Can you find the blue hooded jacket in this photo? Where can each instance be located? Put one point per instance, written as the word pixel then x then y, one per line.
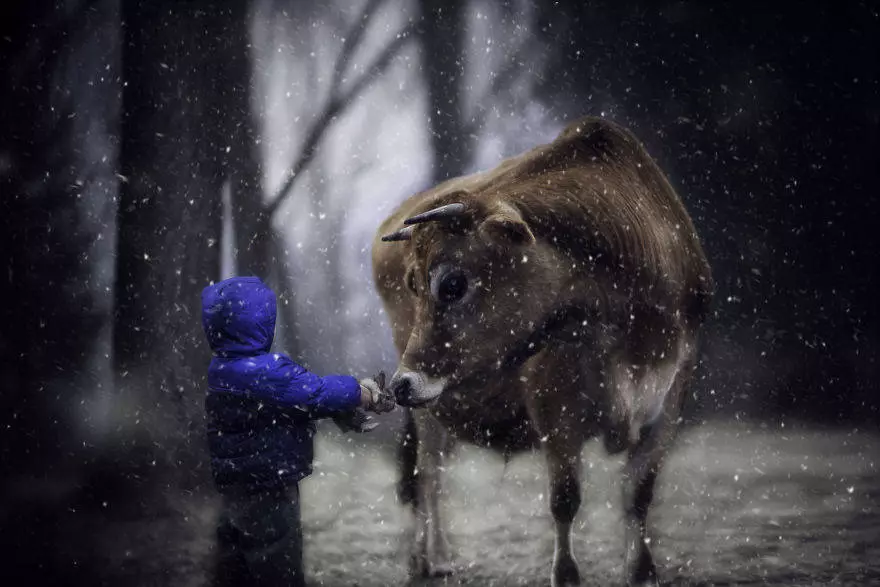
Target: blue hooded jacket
pixel 260 405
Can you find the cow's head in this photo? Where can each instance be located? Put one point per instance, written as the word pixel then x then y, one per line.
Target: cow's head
pixel 480 284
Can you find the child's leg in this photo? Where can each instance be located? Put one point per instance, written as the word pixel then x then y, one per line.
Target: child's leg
pixel 228 567
pixel 294 546
pixel 271 536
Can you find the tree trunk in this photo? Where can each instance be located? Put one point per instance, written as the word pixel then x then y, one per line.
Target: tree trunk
pixel 442 35
pixel 57 180
pixel 251 219
pixel 174 141
pixel 48 180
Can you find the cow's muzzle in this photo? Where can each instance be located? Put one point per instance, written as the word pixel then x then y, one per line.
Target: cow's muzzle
pixel 413 389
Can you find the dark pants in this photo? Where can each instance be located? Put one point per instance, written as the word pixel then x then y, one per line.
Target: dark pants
pixel 260 540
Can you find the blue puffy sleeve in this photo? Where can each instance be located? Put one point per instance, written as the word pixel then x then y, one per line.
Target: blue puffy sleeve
pixel 322 396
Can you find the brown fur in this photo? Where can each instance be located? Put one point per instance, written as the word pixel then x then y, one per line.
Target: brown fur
pixel 584 256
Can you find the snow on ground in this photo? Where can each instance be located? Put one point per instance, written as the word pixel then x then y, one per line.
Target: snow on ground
pixel 737 505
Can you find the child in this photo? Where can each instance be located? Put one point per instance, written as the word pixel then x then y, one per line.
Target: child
pixel 261 409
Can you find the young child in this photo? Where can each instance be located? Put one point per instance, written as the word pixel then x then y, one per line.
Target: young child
pixel 261 408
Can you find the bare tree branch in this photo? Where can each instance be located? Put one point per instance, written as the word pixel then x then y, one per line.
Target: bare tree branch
pixel 529 54
pixel 334 106
pixel 350 43
pixel 503 81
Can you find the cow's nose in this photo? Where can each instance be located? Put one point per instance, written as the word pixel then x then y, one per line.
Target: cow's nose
pixel 403 386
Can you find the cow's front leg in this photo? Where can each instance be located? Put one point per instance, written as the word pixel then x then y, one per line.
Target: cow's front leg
pixel 564 467
pixel 638 492
pixel 559 421
pixel 430 557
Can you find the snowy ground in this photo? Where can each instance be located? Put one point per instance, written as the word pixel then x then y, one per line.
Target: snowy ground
pixel 737 504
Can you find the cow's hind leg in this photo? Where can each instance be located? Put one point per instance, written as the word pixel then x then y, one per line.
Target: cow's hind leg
pixel 430 556
pixel 639 477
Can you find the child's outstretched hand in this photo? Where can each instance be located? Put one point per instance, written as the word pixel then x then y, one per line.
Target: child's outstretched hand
pixel 356 420
pixel 373 396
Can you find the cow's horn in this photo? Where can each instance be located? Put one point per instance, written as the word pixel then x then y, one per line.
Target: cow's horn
pixel 404 234
pixel 447 211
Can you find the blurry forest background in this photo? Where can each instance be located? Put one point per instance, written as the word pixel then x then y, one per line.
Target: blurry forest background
pixel 148 148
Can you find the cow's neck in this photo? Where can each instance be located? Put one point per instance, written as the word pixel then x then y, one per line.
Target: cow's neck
pixel 567 323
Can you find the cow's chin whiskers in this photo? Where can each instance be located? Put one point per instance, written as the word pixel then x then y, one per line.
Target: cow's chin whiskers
pixel 421 404
pixel 430 391
pixel 426 391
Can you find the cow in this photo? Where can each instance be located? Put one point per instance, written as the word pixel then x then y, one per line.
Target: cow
pixel 551 300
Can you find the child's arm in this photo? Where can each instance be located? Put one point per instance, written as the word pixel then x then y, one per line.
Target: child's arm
pixel 322 396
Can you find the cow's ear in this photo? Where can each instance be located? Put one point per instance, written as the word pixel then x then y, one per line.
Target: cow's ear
pixel 505 226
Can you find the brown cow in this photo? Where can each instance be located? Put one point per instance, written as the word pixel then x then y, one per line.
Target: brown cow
pixel 564 290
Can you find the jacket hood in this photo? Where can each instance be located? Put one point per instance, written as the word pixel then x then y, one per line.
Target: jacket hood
pixel 238 315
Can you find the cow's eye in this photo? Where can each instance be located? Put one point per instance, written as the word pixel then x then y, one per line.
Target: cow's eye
pixel 449 286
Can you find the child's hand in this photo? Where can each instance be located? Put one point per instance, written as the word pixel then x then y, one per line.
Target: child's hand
pixel 373 396
pixel 356 420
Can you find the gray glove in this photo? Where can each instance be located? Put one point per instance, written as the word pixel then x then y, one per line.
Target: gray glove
pixel 356 420
pixel 373 396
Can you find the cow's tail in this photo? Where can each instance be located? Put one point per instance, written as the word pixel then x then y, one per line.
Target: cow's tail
pixel 407 455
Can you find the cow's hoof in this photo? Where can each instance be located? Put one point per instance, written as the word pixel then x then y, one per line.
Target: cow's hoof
pixel 646 578
pixel 443 569
pixel 565 572
pixel 421 566
pixel 643 573
pixel 645 582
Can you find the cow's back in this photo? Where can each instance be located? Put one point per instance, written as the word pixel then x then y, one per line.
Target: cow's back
pixel 595 192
